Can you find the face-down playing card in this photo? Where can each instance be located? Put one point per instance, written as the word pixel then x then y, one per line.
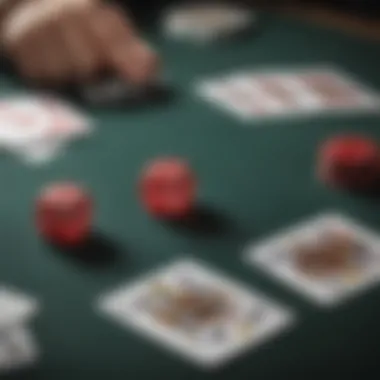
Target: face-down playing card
pixel 327 258
pixel 196 312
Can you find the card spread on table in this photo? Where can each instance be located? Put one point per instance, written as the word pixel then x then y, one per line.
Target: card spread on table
pixel 197 312
pixel 327 258
pixel 277 93
pixel 36 128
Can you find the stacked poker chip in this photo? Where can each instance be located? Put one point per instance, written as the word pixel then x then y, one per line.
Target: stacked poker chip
pixel 350 162
pixel 206 22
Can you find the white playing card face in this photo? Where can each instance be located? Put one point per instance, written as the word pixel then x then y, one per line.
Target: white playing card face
pixel 197 312
pixel 18 349
pixel 69 122
pixel 283 93
pixel 34 127
pixel 21 120
pixel 347 270
pixel 15 308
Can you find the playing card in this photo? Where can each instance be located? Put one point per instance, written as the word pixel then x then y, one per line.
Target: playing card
pixel 33 117
pixel 238 96
pixel 41 152
pixel 36 126
pixel 280 88
pixel 15 307
pixel 197 312
pixel 283 93
pixel 17 348
pixel 332 90
pixel 247 95
pixel 327 258
pixel 204 22
pixel 69 122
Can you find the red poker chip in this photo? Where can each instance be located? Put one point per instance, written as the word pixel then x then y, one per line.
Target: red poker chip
pixel 64 213
pixel 350 150
pixel 167 165
pixel 61 191
pixel 63 196
pixel 349 162
pixel 167 188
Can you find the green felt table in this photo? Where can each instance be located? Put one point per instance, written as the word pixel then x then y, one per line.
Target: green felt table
pixel 254 178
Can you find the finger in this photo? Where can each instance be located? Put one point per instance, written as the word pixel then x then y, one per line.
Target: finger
pixel 27 56
pixel 53 56
pixel 82 52
pixel 20 39
pixel 144 64
pixel 113 35
pixel 32 43
pixel 20 23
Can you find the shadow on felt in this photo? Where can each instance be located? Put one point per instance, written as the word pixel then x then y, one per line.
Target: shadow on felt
pixel 369 192
pixel 132 100
pixel 98 251
pixel 205 220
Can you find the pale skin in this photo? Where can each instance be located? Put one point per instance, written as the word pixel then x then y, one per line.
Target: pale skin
pixel 65 41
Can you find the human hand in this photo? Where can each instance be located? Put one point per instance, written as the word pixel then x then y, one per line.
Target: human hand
pixel 64 41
